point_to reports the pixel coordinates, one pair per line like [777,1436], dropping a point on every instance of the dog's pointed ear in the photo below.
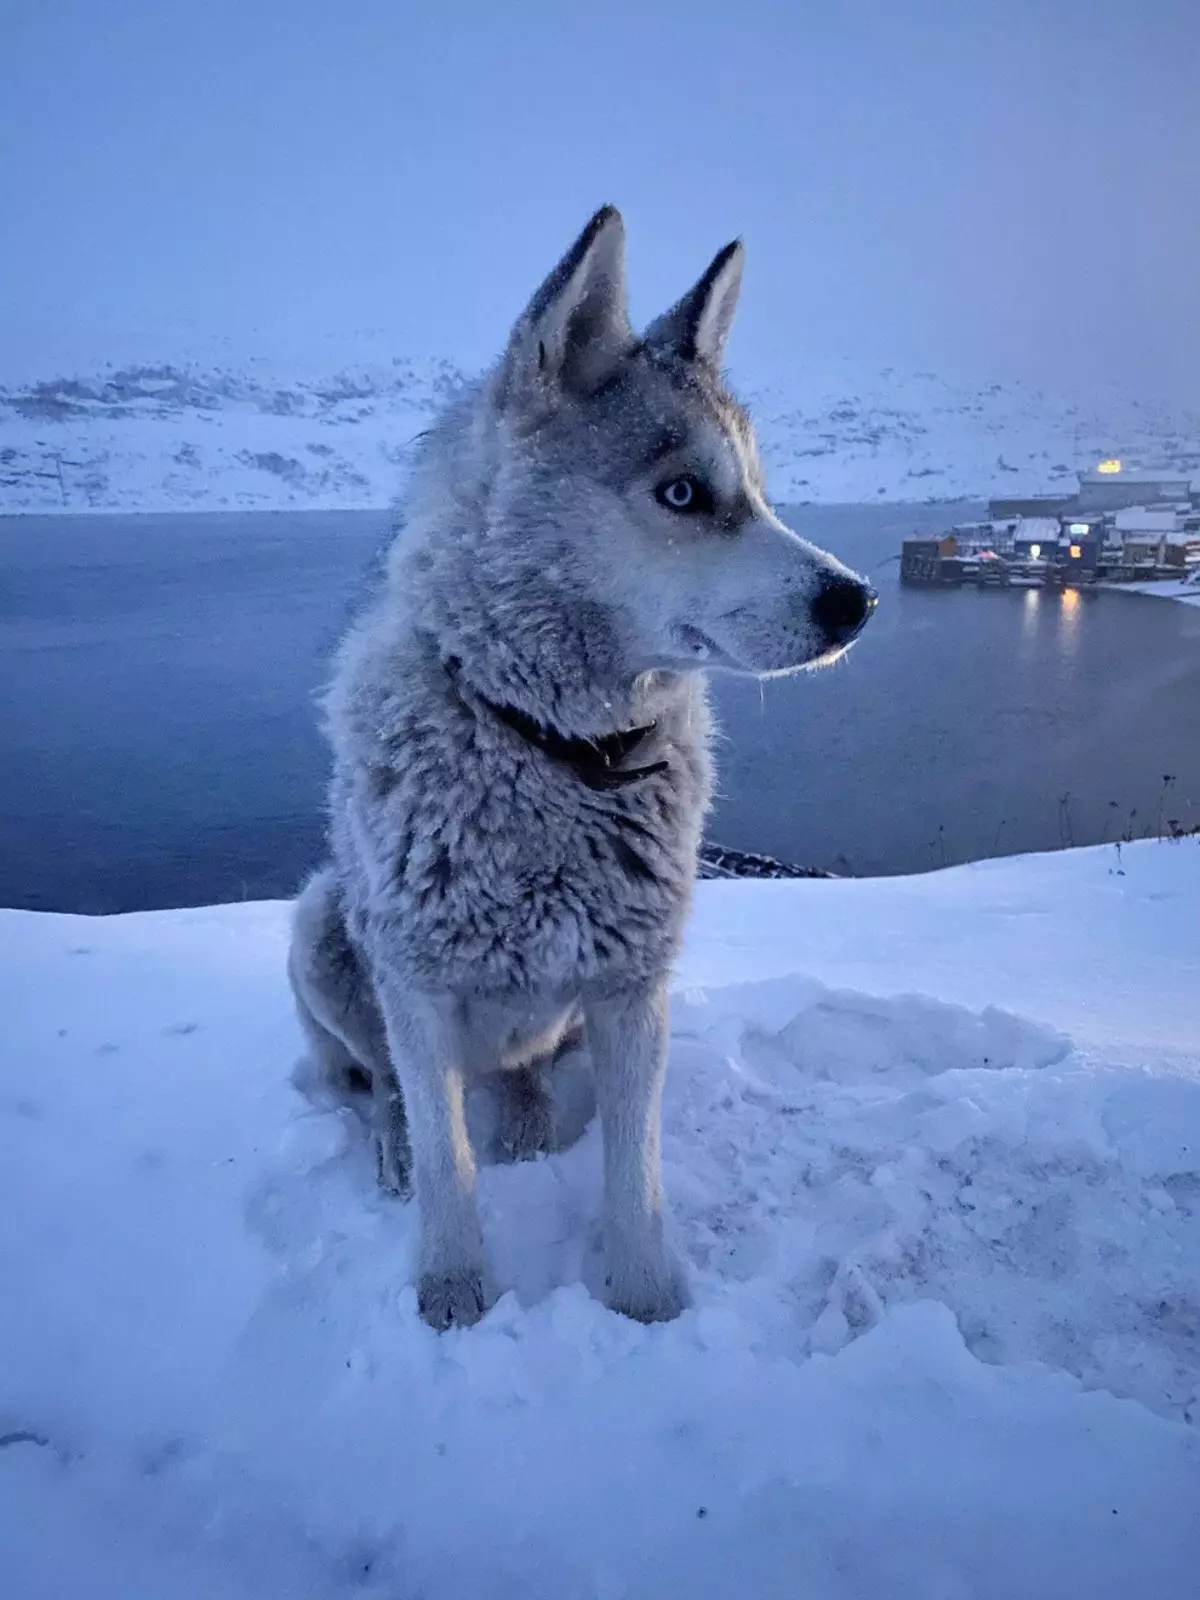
[697,327]
[575,331]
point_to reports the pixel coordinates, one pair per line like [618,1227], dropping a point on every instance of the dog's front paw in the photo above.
[649,1290]
[450,1299]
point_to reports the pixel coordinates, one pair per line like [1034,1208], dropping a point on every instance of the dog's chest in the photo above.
[507,872]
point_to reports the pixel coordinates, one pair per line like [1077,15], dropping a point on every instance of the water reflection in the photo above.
[1061,610]
[1069,617]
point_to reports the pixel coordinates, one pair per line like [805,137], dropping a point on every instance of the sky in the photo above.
[988,189]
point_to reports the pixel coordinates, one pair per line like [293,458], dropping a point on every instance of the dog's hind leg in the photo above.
[571,1088]
[524,1114]
[335,1000]
[544,1107]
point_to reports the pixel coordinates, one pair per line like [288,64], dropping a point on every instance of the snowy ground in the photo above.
[933,1147]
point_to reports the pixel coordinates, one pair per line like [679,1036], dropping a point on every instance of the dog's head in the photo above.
[633,477]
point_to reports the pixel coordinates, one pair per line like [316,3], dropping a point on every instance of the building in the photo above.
[1182,548]
[1146,534]
[1175,551]
[1037,505]
[1112,485]
[929,560]
[1081,555]
[973,538]
[1036,539]
[1107,487]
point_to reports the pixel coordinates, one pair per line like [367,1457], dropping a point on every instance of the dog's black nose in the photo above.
[841,608]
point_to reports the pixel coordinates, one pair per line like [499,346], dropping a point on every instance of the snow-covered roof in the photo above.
[1138,519]
[1045,529]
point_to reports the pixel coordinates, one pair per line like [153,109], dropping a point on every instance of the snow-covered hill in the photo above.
[945,1332]
[223,431]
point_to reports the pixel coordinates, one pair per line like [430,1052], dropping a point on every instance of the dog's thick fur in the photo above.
[492,914]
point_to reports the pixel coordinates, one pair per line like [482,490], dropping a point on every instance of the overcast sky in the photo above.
[988,188]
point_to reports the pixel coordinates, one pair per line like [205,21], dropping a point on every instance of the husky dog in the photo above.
[521,756]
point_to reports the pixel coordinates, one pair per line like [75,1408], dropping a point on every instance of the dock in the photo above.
[1123,525]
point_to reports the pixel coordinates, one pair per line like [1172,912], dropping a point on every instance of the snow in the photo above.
[216,427]
[1137,519]
[1185,589]
[933,1151]
[1044,529]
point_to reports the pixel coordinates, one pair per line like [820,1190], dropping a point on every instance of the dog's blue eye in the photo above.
[686,495]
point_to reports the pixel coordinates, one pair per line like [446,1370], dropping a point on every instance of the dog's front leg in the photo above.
[628,1038]
[425,1041]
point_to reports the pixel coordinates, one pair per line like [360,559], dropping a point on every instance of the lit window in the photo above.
[1035,551]
[1078,530]
[1110,466]
[1076,552]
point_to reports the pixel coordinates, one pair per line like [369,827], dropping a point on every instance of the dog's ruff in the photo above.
[521,760]
[598,762]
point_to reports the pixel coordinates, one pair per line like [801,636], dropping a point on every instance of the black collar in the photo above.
[595,762]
